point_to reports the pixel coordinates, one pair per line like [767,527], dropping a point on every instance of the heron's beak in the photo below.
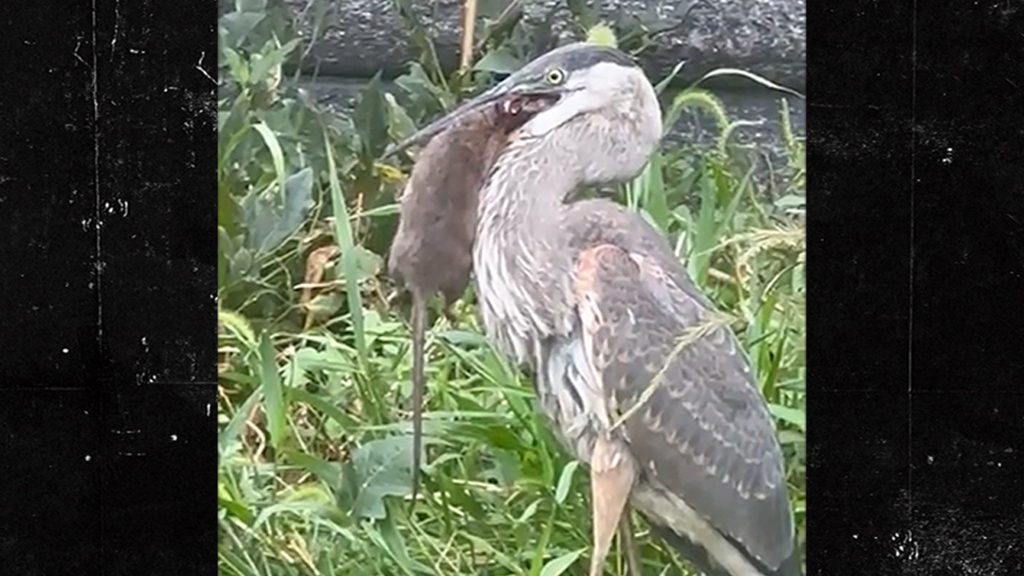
[495,94]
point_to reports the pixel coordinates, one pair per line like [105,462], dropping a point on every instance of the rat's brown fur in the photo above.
[433,248]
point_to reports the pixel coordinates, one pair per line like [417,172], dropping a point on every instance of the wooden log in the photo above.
[767,37]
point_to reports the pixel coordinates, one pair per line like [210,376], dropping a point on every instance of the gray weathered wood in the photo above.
[766,37]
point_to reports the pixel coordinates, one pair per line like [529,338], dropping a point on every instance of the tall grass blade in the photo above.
[350,262]
[273,396]
[275,153]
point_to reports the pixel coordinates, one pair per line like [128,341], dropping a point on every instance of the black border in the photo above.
[916,263]
[108,407]
[916,288]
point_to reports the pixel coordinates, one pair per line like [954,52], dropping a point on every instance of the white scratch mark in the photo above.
[96,181]
[78,45]
[948,159]
[207,408]
[117,22]
[910,275]
[199,66]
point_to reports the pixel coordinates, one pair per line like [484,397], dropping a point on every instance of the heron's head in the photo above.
[606,117]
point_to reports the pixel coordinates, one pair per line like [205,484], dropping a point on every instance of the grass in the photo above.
[315,354]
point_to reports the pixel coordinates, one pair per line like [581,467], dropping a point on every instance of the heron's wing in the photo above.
[694,419]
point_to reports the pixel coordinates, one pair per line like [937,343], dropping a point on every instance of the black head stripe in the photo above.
[578,56]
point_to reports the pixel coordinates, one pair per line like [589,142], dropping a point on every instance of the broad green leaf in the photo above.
[236,26]
[383,469]
[269,223]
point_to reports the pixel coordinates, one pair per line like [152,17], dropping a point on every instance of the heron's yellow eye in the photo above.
[555,76]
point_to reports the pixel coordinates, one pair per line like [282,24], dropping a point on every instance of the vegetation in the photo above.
[315,457]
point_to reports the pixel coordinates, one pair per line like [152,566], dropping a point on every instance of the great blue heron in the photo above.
[641,380]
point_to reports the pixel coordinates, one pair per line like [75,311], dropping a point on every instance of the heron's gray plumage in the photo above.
[593,299]
[704,433]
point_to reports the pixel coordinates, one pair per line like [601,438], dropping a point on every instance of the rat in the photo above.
[432,251]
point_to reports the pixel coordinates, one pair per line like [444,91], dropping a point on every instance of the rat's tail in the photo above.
[419,329]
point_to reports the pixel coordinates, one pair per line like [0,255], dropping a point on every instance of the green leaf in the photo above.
[234,427]
[656,201]
[235,27]
[325,305]
[305,503]
[371,119]
[583,14]
[565,481]
[790,437]
[343,236]
[275,153]
[264,64]
[750,76]
[367,264]
[238,68]
[400,125]
[791,201]
[383,468]
[326,471]
[257,6]
[273,398]
[602,35]
[392,539]
[324,406]
[237,325]
[267,223]
[661,86]
[791,415]
[500,61]
[561,564]
[529,512]
[422,90]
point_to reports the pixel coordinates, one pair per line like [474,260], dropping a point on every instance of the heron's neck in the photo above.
[523,198]
[521,259]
